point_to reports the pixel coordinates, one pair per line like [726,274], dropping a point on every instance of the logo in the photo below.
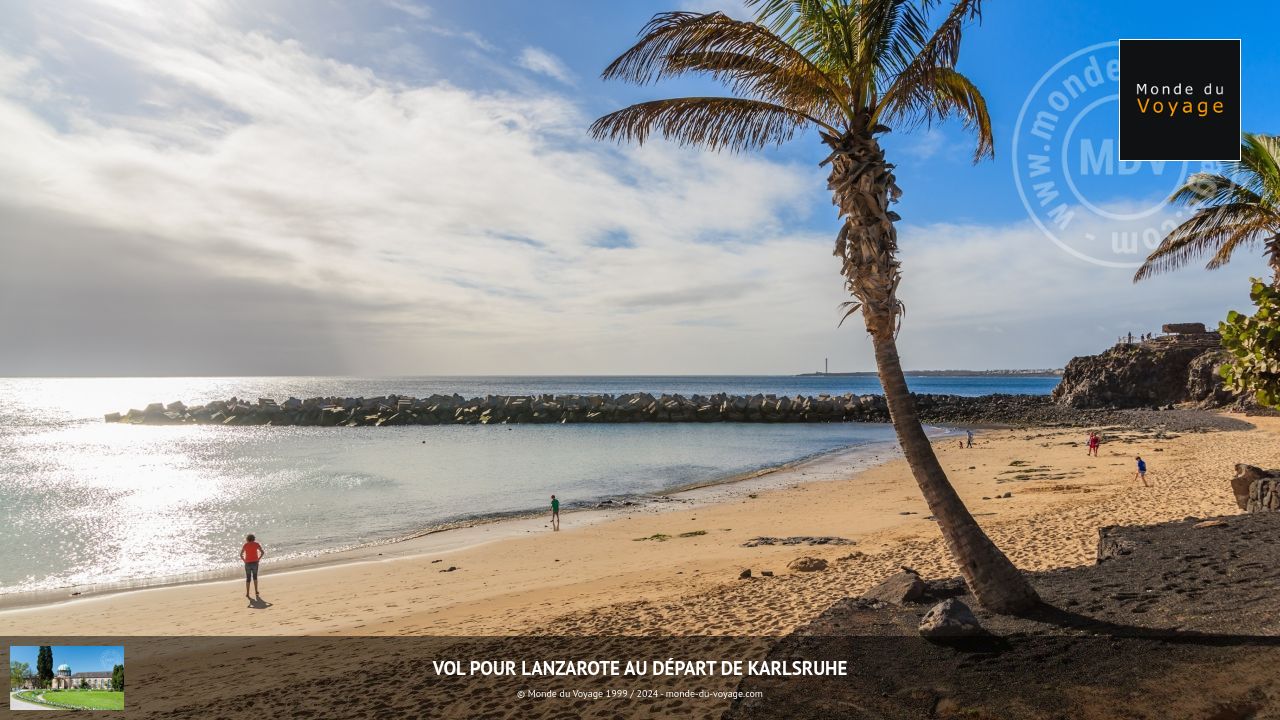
[1180,99]
[1068,169]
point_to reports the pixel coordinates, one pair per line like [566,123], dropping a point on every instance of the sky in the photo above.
[81,658]
[403,187]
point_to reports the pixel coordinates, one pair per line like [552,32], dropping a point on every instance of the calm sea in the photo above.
[85,502]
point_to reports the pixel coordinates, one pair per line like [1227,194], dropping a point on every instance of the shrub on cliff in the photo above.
[1254,344]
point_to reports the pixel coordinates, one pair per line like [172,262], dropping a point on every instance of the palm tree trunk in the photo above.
[997,584]
[863,185]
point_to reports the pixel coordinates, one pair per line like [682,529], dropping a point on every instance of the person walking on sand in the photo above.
[251,553]
[555,513]
[1142,471]
[1094,442]
[969,433]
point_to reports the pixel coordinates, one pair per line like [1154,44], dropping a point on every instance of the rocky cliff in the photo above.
[1157,373]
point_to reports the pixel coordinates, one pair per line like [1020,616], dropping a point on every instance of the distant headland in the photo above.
[946,373]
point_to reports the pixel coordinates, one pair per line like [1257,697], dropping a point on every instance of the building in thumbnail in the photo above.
[64,679]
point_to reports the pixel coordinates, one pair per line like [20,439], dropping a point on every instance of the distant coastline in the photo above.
[945,373]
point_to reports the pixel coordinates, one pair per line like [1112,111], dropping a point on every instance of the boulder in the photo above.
[1184,328]
[950,619]
[1246,475]
[1264,488]
[807,564]
[1113,544]
[899,589]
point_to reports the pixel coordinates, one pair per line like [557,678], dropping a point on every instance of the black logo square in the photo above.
[1179,99]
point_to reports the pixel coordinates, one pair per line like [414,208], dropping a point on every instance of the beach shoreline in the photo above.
[676,570]
[472,532]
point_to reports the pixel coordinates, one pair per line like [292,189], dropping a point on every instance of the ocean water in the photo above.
[84,502]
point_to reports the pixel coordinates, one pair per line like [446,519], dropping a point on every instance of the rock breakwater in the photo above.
[393,410]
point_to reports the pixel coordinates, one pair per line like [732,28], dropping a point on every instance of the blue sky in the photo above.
[405,187]
[81,658]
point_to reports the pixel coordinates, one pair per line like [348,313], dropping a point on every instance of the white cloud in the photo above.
[544,63]
[190,194]
[412,9]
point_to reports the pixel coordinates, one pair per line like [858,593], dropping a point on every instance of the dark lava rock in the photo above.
[1204,385]
[1111,544]
[798,540]
[1128,376]
[899,589]
[1255,489]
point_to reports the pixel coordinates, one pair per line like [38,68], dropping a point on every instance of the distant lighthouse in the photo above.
[826,366]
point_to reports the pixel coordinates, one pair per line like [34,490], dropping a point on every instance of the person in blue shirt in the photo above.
[1142,471]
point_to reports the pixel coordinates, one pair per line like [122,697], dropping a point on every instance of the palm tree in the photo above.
[849,69]
[1239,207]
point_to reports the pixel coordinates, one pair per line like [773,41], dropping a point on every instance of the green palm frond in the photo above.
[1208,231]
[823,30]
[732,124]
[1260,165]
[898,42]
[846,66]
[1237,208]
[1213,189]
[941,92]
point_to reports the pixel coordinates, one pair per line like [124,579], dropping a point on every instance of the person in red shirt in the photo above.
[251,552]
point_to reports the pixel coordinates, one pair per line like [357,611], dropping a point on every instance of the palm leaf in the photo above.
[733,124]
[746,54]
[1209,230]
[761,79]
[1236,208]
[938,93]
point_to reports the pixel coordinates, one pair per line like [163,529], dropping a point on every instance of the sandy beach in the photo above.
[651,570]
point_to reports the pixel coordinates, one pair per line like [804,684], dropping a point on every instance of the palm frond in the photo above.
[733,124]
[823,30]
[1259,165]
[939,93]
[746,55]
[1243,236]
[1207,231]
[753,77]
[1211,189]
[941,50]
[901,43]
[943,47]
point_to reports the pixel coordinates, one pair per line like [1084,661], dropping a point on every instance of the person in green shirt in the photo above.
[555,513]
